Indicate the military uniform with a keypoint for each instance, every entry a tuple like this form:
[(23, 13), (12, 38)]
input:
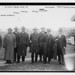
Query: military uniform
[(23, 43), (34, 47)]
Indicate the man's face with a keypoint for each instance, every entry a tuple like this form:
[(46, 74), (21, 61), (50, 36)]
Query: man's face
[(22, 30), (16, 30), (43, 30), (60, 32), (35, 31), (9, 31), (48, 32)]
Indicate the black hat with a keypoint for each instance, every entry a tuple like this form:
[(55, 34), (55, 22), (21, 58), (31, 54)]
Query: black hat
[(10, 29), (15, 28), (60, 30), (48, 30), (23, 27), (35, 28)]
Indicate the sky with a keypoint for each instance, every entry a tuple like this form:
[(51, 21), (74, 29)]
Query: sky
[(31, 16)]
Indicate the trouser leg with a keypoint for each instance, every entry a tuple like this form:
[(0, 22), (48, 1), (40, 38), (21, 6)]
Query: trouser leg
[(40, 57), (49, 59), (7, 61), (14, 56), (44, 58), (59, 59), (62, 57), (32, 57), (49, 56), (36, 57), (23, 58), (18, 58)]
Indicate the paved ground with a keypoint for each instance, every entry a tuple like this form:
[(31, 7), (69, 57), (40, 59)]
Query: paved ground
[(27, 66)]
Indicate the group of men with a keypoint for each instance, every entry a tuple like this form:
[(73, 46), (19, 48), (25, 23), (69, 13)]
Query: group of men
[(42, 45)]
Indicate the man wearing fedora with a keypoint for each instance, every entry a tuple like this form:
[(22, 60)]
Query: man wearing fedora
[(23, 44), (42, 43), (9, 44), (16, 33), (61, 44), (50, 43), (34, 47)]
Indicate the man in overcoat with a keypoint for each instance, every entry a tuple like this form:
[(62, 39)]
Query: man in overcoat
[(42, 43), (50, 43), (9, 44), (61, 44), (23, 44), (16, 33), (34, 47), (0, 41)]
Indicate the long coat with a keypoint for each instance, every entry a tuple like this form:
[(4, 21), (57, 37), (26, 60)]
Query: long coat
[(42, 42), (34, 47), (9, 45), (0, 41), (17, 38), (50, 43), (23, 43), (55, 48), (61, 43)]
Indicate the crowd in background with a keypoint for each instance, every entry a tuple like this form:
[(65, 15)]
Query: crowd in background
[(42, 45)]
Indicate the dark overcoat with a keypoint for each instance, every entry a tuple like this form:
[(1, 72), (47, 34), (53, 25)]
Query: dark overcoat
[(34, 47), (55, 48), (23, 44), (0, 41), (50, 43), (42, 42), (61, 43), (17, 40)]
